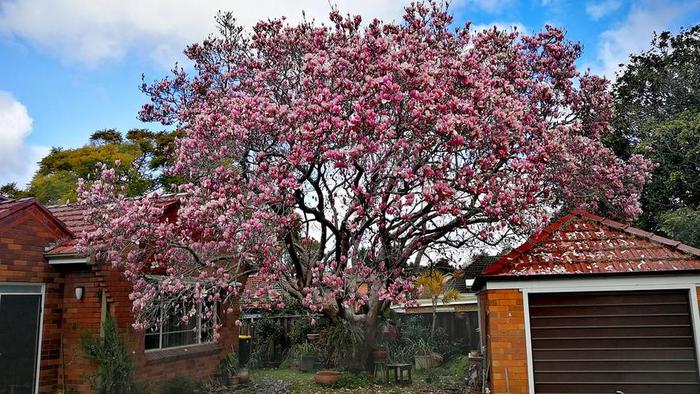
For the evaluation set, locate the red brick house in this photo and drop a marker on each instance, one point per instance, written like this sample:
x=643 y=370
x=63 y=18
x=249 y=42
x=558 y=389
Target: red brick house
x=590 y=305
x=50 y=294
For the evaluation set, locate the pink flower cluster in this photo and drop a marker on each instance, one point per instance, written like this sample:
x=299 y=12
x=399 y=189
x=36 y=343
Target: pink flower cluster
x=327 y=157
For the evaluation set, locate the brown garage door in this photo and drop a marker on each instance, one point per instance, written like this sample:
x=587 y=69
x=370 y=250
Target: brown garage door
x=608 y=342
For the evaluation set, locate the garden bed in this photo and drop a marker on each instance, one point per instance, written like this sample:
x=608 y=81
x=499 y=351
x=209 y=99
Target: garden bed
x=290 y=381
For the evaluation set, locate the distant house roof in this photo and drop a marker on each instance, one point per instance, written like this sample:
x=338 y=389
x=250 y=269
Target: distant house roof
x=581 y=243
x=470 y=272
x=478 y=264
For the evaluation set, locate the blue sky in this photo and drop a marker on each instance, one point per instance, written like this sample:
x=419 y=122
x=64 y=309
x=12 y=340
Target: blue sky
x=70 y=67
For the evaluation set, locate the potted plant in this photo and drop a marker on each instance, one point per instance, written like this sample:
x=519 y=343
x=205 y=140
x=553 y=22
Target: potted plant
x=379 y=353
x=326 y=378
x=306 y=354
x=423 y=355
x=229 y=370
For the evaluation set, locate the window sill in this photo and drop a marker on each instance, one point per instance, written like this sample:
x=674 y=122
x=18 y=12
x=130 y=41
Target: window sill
x=166 y=355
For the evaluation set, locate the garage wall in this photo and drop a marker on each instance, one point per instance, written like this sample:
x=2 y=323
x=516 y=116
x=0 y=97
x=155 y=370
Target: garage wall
x=505 y=339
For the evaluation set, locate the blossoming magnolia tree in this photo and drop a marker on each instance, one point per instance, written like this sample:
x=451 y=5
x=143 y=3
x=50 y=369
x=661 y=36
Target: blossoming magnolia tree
x=327 y=157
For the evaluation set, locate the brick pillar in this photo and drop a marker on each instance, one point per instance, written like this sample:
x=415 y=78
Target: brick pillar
x=503 y=327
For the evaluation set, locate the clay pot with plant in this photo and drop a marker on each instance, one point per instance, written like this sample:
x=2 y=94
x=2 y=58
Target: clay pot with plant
x=326 y=378
x=229 y=369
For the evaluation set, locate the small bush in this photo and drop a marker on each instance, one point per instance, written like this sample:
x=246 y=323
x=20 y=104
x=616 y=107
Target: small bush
x=348 y=380
x=229 y=365
x=299 y=330
x=181 y=385
x=433 y=375
x=115 y=369
x=343 y=343
x=458 y=366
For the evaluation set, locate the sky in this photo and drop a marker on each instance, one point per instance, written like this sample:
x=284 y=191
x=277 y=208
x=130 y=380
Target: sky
x=70 y=67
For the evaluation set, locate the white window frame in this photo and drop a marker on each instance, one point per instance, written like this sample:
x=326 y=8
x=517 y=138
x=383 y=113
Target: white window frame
x=576 y=285
x=198 y=331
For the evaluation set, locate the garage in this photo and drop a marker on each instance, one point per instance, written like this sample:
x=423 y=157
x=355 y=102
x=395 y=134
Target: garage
x=612 y=342
x=590 y=305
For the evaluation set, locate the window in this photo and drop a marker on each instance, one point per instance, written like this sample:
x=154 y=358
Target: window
x=174 y=332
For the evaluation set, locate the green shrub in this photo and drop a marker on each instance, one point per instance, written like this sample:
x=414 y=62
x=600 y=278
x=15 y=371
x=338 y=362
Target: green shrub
x=299 y=330
x=229 y=365
x=268 y=342
x=181 y=385
x=348 y=380
x=343 y=343
x=458 y=366
x=434 y=375
x=115 y=369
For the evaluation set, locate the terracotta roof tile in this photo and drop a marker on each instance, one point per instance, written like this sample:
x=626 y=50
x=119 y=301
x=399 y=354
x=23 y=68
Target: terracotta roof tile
x=8 y=207
x=72 y=215
x=582 y=243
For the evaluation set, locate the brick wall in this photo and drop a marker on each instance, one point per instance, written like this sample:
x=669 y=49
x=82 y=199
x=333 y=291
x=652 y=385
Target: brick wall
x=151 y=368
x=79 y=317
x=503 y=334
x=23 y=237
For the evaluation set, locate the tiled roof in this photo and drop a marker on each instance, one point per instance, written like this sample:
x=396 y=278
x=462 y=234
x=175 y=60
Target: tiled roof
x=8 y=207
x=72 y=216
x=478 y=264
x=582 y=243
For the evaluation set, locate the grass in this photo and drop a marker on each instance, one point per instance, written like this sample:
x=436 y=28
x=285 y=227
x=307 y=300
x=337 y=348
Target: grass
x=291 y=381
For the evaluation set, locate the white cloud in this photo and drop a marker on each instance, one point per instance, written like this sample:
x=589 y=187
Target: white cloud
x=507 y=26
x=634 y=33
x=599 y=9
x=93 y=32
x=18 y=160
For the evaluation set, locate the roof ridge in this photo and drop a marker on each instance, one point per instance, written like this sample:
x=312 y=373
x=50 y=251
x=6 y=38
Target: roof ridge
x=165 y=195
x=617 y=227
x=26 y=202
x=16 y=200
x=637 y=232
x=531 y=242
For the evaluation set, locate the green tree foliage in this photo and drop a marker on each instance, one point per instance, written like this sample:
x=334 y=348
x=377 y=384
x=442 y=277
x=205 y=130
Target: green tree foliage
x=10 y=190
x=657 y=100
x=142 y=155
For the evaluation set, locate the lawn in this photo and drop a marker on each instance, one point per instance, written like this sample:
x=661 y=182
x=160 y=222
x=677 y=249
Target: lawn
x=291 y=381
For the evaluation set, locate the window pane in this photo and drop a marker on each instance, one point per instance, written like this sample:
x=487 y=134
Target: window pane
x=175 y=332
x=181 y=338
x=152 y=340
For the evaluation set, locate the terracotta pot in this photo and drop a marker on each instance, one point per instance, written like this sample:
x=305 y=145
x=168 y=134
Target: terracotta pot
x=379 y=354
x=233 y=381
x=243 y=376
x=326 y=378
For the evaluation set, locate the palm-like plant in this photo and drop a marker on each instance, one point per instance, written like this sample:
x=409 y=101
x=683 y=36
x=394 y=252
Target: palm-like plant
x=436 y=284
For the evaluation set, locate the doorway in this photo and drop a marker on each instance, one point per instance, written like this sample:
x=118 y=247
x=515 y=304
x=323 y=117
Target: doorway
x=20 y=322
